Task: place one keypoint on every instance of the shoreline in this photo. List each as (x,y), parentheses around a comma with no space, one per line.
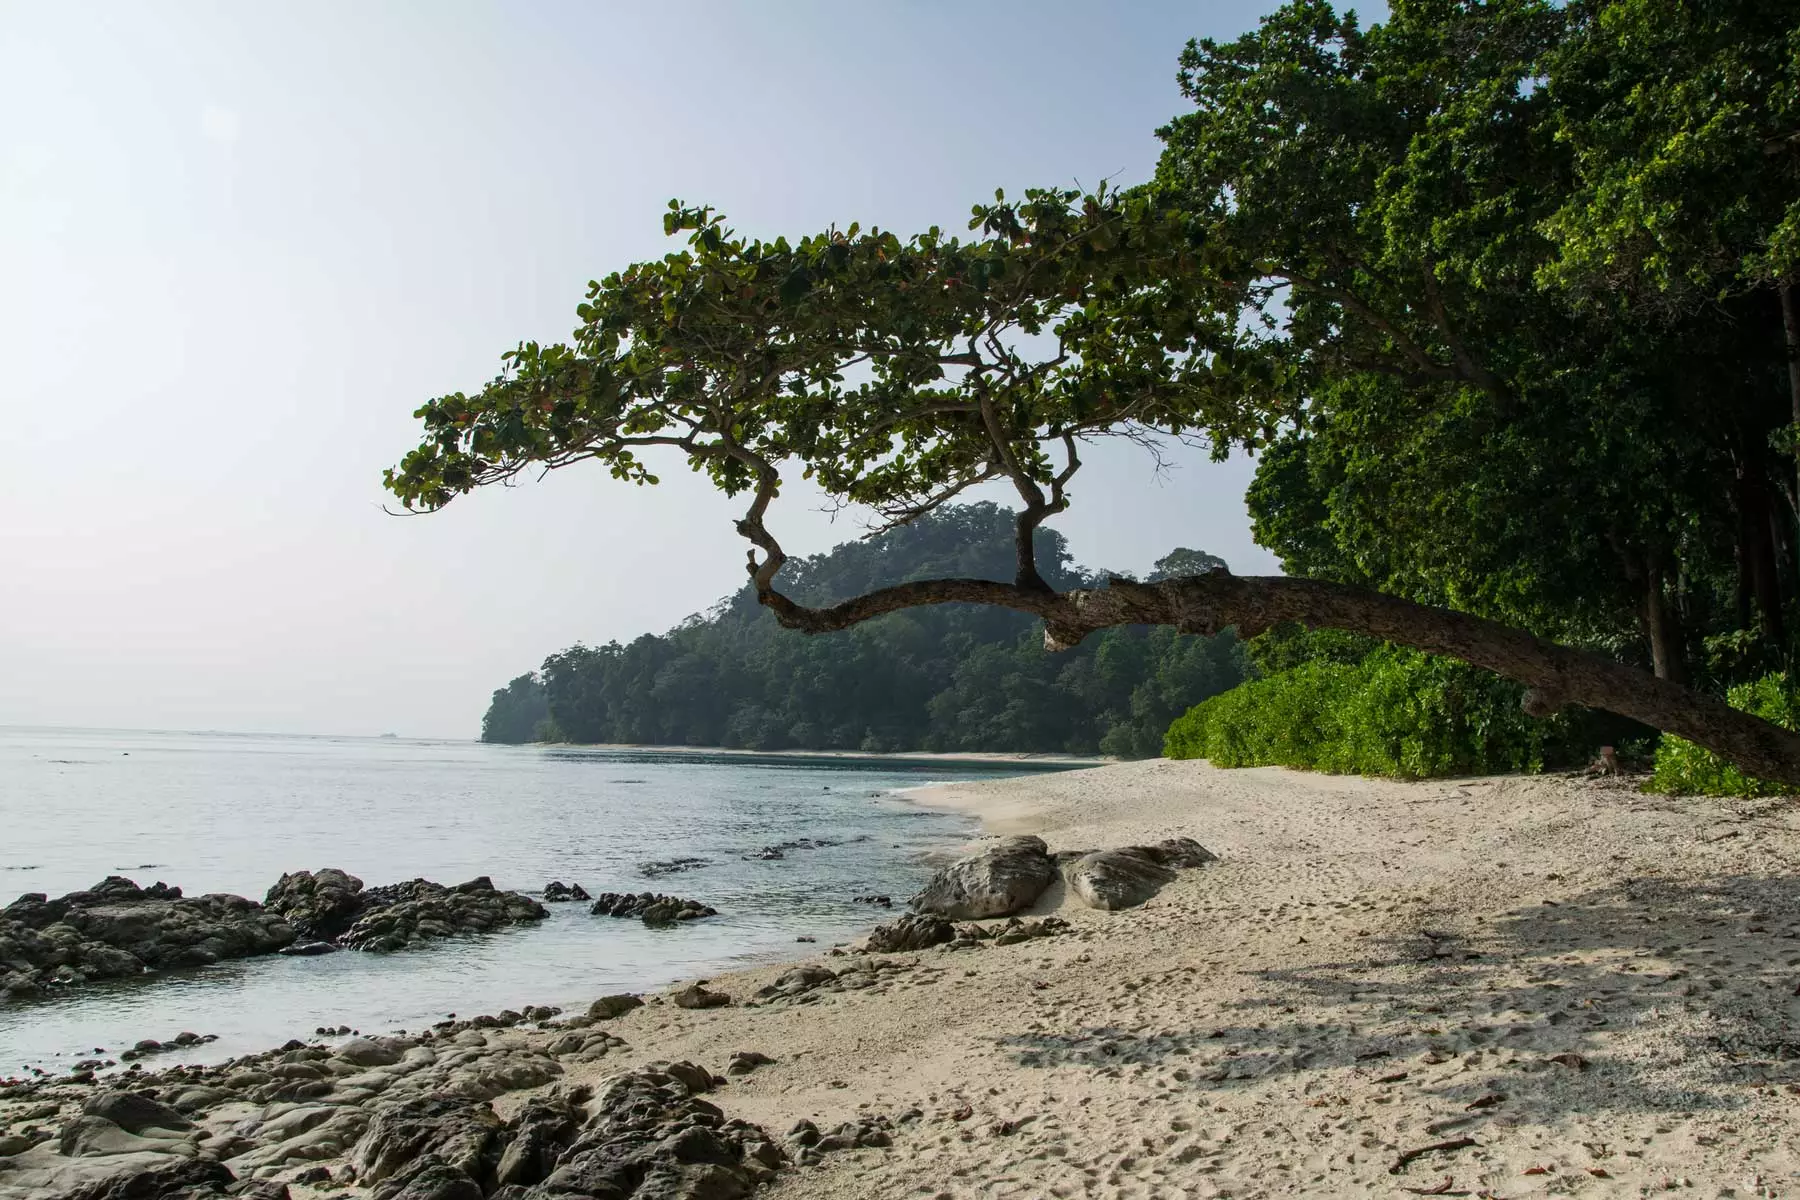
(1004,758)
(1546,985)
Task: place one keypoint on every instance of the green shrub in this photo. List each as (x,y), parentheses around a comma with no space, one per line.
(1397,713)
(1684,769)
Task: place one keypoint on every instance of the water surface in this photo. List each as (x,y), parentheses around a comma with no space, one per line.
(230,813)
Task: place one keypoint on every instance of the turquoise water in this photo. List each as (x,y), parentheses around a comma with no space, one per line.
(230,813)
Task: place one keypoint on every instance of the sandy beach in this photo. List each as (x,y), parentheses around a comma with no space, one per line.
(1499,987)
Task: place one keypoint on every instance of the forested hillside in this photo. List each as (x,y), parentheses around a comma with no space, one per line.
(952,677)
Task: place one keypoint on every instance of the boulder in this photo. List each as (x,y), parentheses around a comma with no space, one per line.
(164,1178)
(1130,875)
(133,1112)
(400,914)
(558,892)
(320,906)
(913,931)
(994,882)
(608,1007)
(654,908)
(454,1132)
(366,1052)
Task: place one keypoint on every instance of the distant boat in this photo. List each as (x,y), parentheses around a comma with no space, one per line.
(390,735)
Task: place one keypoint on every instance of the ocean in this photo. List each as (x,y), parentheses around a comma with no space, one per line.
(214,812)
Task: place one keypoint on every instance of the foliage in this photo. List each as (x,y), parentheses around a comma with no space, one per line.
(518,712)
(950,678)
(1684,769)
(1494,287)
(1395,712)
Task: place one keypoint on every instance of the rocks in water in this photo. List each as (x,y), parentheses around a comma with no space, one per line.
(399,914)
(558,892)
(995,882)
(320,905)
(331,908)
(876,901)
(653,907)
(608,1007)
(308,949)
(117,929)
(657,868)
(1128,876)
(913,931)
(696,996)
(779,850)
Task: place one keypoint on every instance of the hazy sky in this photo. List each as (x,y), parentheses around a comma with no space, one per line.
(240,243)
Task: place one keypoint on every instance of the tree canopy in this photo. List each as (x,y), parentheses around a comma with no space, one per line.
(1496,289)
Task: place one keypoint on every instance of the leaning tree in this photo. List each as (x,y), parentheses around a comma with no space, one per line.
(1211,305)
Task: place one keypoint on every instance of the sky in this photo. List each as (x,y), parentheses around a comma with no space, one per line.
(241,243)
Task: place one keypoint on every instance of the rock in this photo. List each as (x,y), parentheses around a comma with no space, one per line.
(654,908)
(670,866)
(538,1137)
(400,914)
(429,1178)
(11,1144)
(913,931)
(454,1132)
(363,1052)
(321,906)
(88,1136)
(308,949)
(1180,852)
(117,929)
(695,996)
(168,1179)
(557,892)
(1114,879)
(1130,875)
(608,1007)
(875,901)
(133,1112)
(994,882)
(797,982)
(745,1061)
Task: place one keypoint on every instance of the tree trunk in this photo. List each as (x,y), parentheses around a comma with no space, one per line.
(1667,658)
(1790,321)
(1205,604)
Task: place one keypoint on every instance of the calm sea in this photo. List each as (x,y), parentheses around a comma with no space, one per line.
(229,813)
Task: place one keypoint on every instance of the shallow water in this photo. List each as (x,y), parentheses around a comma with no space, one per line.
(230,813)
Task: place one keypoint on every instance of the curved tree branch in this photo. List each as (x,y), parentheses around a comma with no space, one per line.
(1205,604)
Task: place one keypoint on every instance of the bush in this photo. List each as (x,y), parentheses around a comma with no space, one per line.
(1684,769)
(1396,712)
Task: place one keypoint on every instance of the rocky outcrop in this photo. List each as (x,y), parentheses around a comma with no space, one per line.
(994,882)
(558,892)
(117,929)
(399,914)
(1128,876)
(654,908)
(319,905)
(671,866)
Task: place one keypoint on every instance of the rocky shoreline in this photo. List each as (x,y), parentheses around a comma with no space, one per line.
(414,1116)
(118,930)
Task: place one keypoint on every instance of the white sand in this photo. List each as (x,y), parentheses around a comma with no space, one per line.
(1372,968)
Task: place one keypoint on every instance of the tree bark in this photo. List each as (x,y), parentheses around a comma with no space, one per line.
(1205,604)
(1790,321)
(1667,660)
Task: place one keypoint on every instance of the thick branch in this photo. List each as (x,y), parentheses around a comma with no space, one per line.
(1205,604)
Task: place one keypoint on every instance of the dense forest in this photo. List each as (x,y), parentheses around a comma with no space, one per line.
(954,677)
